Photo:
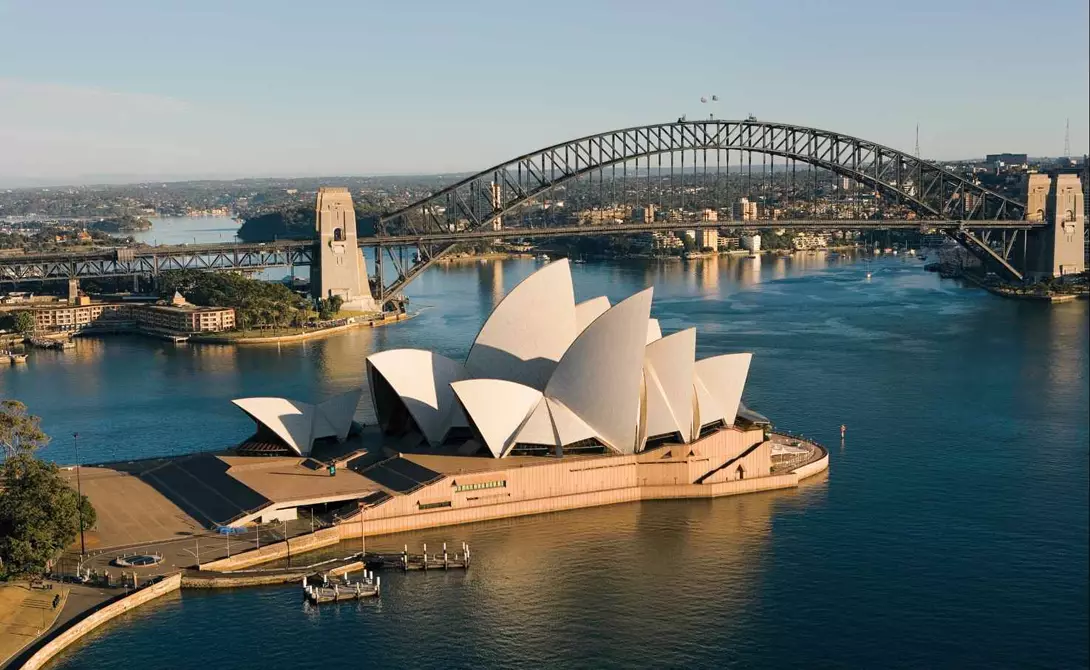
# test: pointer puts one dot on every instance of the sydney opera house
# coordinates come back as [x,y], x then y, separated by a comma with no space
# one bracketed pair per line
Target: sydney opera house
[548,376]
[558,405]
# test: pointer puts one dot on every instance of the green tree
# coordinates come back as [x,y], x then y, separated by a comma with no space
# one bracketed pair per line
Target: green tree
[324,311]
[39,515]
[335,302]
[20,432]
[24,323]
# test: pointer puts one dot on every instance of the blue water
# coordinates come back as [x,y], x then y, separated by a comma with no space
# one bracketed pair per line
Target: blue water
[950,531]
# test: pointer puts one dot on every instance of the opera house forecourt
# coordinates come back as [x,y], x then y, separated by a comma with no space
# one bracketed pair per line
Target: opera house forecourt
[558,405]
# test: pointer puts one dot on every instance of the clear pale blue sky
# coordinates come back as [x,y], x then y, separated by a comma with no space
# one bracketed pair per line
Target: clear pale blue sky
[129,89]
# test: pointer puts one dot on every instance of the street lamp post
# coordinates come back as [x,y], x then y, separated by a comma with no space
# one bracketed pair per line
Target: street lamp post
[79,501]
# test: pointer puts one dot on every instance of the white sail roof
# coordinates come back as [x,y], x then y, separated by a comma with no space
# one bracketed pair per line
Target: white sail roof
[600,375]
[654,332]
[589,310]
[298,424]
[529,331]
[724,377]
[569,427]
[538,428]
[668,370]
[497,408]
[422,381]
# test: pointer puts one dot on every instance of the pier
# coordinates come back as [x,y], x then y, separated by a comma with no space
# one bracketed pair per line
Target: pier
[342,588]
[425,561]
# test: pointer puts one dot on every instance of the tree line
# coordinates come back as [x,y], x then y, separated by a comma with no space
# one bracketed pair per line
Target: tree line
[40,513]
[257,304]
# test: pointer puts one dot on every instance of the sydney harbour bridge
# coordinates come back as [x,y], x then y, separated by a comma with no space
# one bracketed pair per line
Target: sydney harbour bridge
[822,180]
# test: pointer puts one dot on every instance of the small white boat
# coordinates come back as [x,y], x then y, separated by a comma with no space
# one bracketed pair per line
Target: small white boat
[543,257]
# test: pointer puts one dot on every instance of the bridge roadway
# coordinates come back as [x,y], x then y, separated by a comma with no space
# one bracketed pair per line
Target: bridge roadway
[150,261]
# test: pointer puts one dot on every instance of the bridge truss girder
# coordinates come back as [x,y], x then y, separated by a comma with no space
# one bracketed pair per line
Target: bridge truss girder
[930,190]
[121,265]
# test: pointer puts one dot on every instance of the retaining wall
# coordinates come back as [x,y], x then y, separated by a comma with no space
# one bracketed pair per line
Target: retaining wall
[92,621]
[276,550]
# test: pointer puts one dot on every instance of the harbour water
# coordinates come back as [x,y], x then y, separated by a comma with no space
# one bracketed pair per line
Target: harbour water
[187,230]
[950,531]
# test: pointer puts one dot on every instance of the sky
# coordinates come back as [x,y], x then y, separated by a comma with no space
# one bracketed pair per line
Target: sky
[133,90]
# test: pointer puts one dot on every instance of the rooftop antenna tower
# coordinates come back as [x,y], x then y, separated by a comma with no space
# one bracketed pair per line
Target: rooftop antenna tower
[1067,139]
[917,141]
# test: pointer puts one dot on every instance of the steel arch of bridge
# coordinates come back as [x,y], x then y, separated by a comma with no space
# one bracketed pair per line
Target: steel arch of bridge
[935,193]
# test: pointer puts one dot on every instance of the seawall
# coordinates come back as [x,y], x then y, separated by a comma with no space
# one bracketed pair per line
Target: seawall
[80,627]
[277,550]
[301,337]
[412,522]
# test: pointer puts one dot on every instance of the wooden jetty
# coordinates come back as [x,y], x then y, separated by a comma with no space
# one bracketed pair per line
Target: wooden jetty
[425,561]
[337,589]
[8,356]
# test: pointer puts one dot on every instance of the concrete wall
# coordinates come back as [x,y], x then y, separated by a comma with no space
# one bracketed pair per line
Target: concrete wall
[99,617]
[276,550]
[574,483]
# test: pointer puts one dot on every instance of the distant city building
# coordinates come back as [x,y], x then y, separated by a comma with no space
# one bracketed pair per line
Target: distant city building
[709,215]
[666,242]
[599,216]
[744,210]
[709,238]
[810,241]
[751,243]
[728,243]
[645,214]
[1007,160]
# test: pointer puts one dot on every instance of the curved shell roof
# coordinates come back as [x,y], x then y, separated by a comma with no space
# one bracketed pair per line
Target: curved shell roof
[298,424]
[589,310]
[423,380]
[724,377]
[497,409]
[668,371]
[600,375]
[529,331]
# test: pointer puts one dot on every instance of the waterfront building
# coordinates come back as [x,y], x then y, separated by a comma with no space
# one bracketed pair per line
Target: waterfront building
[666,242]
[185,318]
[75,317]
[559,405]
[709,238]
[751,243]
[728,243]
[177,317]
[810,241]
[548,376]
